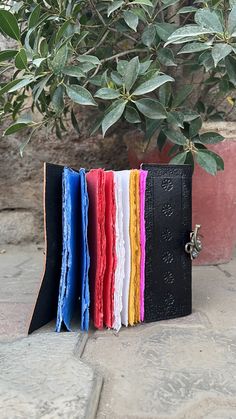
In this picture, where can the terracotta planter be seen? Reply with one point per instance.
(214, 197)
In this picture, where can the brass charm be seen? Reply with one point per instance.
(194, 247)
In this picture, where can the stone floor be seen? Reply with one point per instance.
(178, 369)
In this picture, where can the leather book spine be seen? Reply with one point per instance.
(46, 305)
(168, 218)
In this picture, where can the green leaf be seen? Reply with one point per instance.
(75, 122)
(230, 65)
(175, 136)
(210, 138)
(86, 67)
(206, 60)
(161, 140)
(194, 47)
(182, 95)
(166, 57)
(7, 54)
(132, 116)
(207, 161)
(168, 3)
(218, 159)
(152, 84)
(114, 115)
(104, 79)
(26, 142)
(96, 80)
(148, 35)
(187, 9)
(140, 13)
(209, 20)
(38, 88)
(62, 31)
(190, 159)
(187, 31)
(131, 19)
(173, 150)
(131, 73)
(89, 59)
(73, 71)
(81, 37)
(21, 83)
(152, 125)
(97, 124)
(21, 59)
(122, 67)
(80, 95)
(38, 61)
(59, 61)
(179, 158)
(176, 118)
(115, 76)
(220, 51)
(58, 99)
(195, 126)
(143, 2)
(151, 108)
(232, 21)
(34, 17)
(165, 94)
(107, 93)
(15, 128)
(164, 30)
(114, 6)
(144, 66)
(8, 86)
(25, 118)
(9, 25)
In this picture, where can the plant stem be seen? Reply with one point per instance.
(98, 44)
(121, 54)
(97, 12)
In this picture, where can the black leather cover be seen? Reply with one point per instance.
(168, 211)
(46, 305)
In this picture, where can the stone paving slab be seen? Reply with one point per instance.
(21, 268)
(177, 369)
(214, 294)
(180, 369)
(165, 373)
(42, 377)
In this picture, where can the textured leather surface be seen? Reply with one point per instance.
(168, 224)
(46, 305)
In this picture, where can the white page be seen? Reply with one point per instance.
(125, 178)
(120, 252)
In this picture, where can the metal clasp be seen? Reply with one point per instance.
(194, 247)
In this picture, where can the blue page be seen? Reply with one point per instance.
(84, 254)
(70, 282)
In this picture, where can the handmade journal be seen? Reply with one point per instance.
(118, 247)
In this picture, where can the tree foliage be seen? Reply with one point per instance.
(120, 57)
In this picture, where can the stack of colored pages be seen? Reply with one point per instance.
(114, 248)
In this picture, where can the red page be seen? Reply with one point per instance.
(109, 277)
(97, 242)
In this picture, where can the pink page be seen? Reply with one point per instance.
(143, 177)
